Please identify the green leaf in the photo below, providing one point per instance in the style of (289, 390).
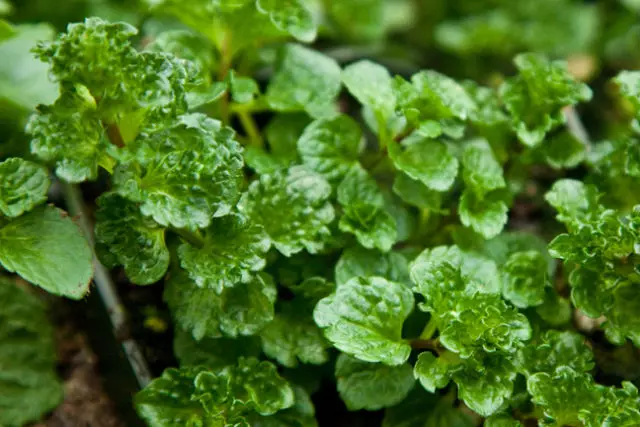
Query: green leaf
(331, 146)
(353, 24)
(525, 279)
(535, 97)
(484, 322)
(481, 171)
(213, 353)
(170, 399)
(23, 186)
(293, 336)
(291, 16)
(29, 387)
(136, 242)
(364, 213)
(629, 84)
(364, 318)
(432, 95)
(485, 392)
(243, 89)
(372, 386)
(305, 80)
(486, 216)
(23, 79)
(371, 85)
(422, 409)
(556, 349)
(564, 151)
(301, 414)
(433, 373)
(415, 193)
(233, 250)
(242, 310)
(185, 174)
(196, 396)
(361, 262)
(428, 161)
(562, 394)
(303, 195)
(573, 200)
(48, 249)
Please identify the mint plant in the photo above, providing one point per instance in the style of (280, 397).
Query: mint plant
(318, 223)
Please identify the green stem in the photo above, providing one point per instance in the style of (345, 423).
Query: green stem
(249, 125)
(192, 237)
(429, 329)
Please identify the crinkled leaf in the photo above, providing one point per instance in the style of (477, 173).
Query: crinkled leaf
(364, 318)
(415, 193)
(372, 386)
(185, 174)
(30, 245)
(361, 262)
(23, 186)
(305, 80)
(213, 353)
(525, 279)
(331, 146)
(536, 96)
(433, 373)
(555, 349)
(301, 194)
(136, 242)
(238, 311)
(233, 250)
(423, 409)
(485, 392)
(428, 161)
(486, 216)
(291, 16)
(564, 151)
(293, 336)
(29, 386)
(573, 200)
(371, 85)
(481, 171)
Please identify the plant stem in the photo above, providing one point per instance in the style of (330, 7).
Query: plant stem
(192, 237)
(429, 329)
(576, 127)
(250, 127)
(225, 65)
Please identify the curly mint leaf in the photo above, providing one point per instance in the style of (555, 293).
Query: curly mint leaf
(428, 161)
(535, 97)
(364, 318)
(291, 16)
(185, 174)
(525, 279)
(305, 80)
(372, 386)
(30, 246)
(414, 192)
(136, 242)
(371, 85)
(564, 151)
(502, 421)
(432, 372)
(170, 400)
(238, 311)
(27, 356)
(573, 200)
(486, 216)
(484, 322)
(331, 146)
(304, 196)
(555, 349)
(23, 186)
(486, 391)
(364, 213)
(361, 262)
(69, 135)
(562, 394)
(293, 337)
(233, 250)
(259, 387)
(481, 171)
(629, 84)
